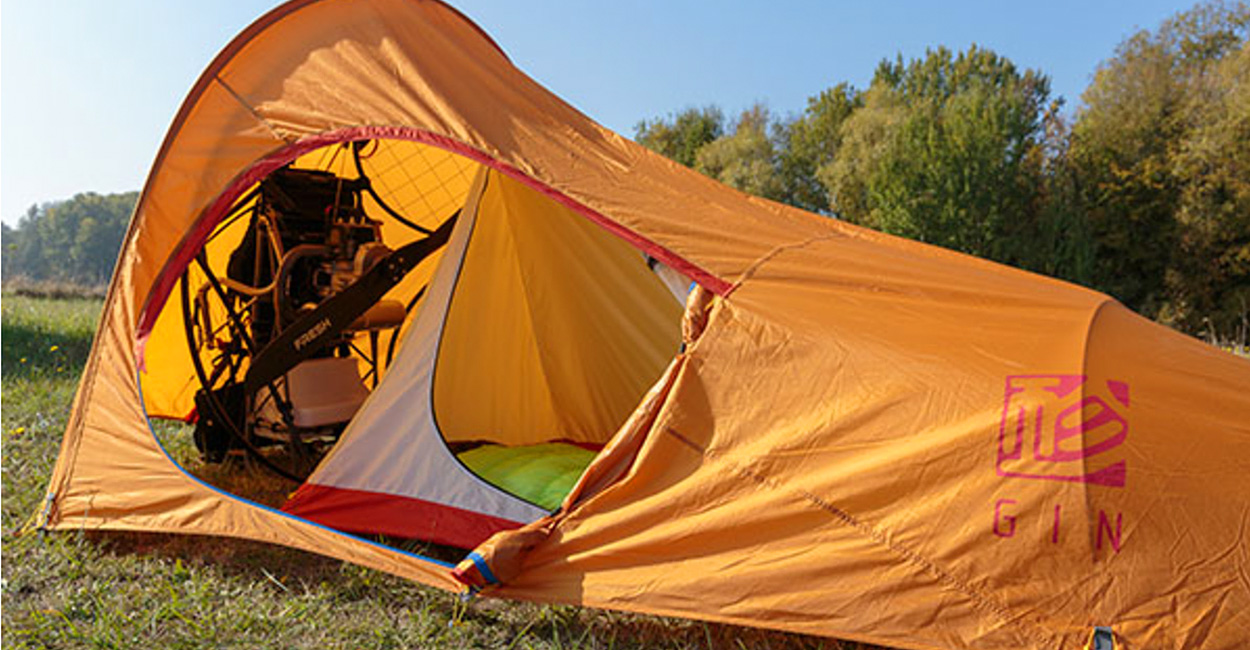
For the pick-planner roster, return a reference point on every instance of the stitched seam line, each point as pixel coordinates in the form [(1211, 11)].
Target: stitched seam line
[(238, 98), (766, 257)]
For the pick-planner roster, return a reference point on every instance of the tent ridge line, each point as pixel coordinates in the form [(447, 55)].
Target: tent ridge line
[(981, 601)]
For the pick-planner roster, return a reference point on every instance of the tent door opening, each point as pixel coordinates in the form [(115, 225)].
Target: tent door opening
[(538, 336), (433, 349)]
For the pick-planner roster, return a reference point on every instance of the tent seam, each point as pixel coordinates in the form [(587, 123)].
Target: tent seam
[(87, 385), (56, 492), (766, 257), (118, 525), (529, 309), (475, 196), (1089, 330), (84, 394), (250, 109), (981, 601)]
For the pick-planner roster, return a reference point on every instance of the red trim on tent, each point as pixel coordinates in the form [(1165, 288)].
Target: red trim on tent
[(194, 241), (377, 513)]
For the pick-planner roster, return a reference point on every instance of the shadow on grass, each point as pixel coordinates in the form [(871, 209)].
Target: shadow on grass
[(30, 351), (42, 338), (231, 556), (482, 622)]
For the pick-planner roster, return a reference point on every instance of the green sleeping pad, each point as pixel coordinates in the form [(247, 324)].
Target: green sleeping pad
[(541, 474)]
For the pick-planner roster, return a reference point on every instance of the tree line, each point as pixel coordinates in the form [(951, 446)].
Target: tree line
[(74, 241), (1143, 192)]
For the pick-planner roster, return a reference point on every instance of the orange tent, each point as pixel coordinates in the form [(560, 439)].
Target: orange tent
[(862, 436)]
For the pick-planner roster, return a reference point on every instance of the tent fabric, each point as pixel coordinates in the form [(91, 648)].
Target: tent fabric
[(872, 438), (556, 328)]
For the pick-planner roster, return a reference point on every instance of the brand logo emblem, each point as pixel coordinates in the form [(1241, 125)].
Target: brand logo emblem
[(1063, 428), (311, 335)]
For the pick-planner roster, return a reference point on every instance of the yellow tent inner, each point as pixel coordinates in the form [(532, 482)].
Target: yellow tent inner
[(423, 183), (556, 327), (555, 330)]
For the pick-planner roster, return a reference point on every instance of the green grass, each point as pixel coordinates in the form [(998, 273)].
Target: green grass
[(116, 590)]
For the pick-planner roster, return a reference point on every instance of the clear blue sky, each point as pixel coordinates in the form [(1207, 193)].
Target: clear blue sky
[(88, 87)]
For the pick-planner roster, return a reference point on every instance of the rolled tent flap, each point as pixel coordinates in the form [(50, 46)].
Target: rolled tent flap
[(501, 558)]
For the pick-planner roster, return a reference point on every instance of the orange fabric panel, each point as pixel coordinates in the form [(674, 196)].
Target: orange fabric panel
[(830, 462), (745, 507), (351, 62), (169, 386), (218, 139)]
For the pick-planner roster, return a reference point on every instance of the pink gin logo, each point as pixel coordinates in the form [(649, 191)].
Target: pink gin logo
[(1063, 428)]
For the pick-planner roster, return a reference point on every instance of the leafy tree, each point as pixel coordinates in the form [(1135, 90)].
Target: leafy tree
[(866, 139), (1145, 193), (680, 137), (73, 241), (24, 247), (811, 142), (1159, 149), (1210, 282), (8, 246), (747, 158), (1064, 245), (950, 150)]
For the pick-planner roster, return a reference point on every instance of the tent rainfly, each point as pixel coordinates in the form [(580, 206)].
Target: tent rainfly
[(375, 257)]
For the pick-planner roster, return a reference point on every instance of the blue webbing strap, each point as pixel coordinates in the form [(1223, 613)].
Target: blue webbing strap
[(483, 568)]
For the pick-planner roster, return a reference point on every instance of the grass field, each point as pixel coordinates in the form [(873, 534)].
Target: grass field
[(85, 590)]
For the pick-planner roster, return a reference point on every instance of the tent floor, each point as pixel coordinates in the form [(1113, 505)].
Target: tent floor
[(541, 474)]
